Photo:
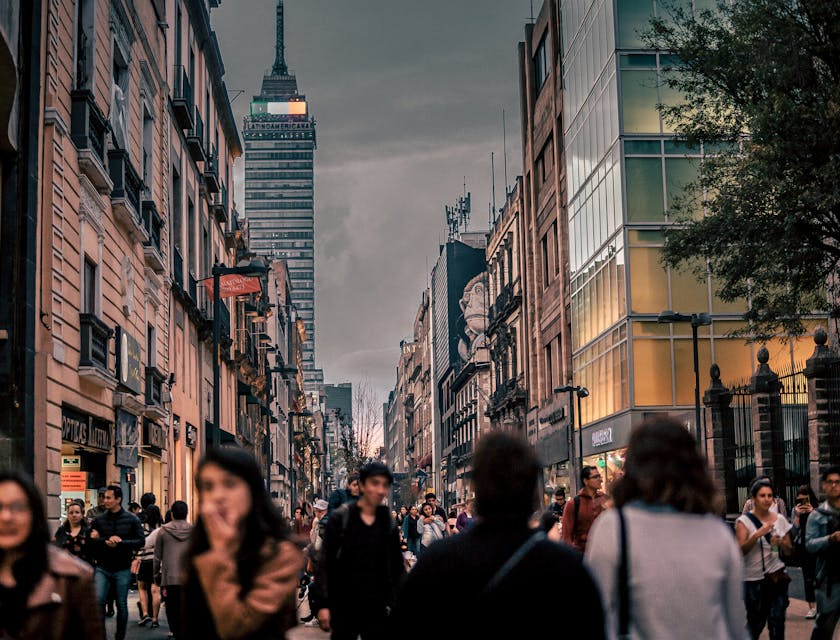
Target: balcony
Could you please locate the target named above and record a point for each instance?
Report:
(125, 196)
(219, 205)
(211, 173)
(195, 139)
(153, 225)
(87, 130)
(177, 268)
(93, 352)
(182, 98)
(506, 302)
(509, 394)
(154, 394)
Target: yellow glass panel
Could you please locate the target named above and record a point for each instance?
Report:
(684, 368)
(652, 372)
(641, 329)
(639, 97)
(735, 359)
(688, 294)
(719, 306)
(725, 327)
(648, 281)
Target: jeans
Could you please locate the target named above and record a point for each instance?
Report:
(119, 580)
(828, 611)
(766, 602)
(173, 609)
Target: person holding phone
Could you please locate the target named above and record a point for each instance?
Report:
(806, 502)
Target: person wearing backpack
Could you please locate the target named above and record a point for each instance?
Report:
(586, 506)
(822, 538)
(362, 562)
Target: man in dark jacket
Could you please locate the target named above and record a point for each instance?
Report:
(362, 562)
(343, 496)
(503, 571)
(171, 547)
(115, 536)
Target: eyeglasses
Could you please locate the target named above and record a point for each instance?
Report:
(15, 508)
(832, 482)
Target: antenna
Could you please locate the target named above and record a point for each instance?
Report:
(532, 11)
(493, 180)
(458, 215)
(504, 148)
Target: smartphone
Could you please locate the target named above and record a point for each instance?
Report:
(803, 501)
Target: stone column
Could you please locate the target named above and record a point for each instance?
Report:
(720, 439)
(820, 414)
(768, 431)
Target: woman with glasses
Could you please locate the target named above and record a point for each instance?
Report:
(45, 593)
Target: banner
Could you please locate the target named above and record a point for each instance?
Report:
(233, 285)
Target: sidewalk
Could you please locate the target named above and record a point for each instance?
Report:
(796, 627)
(138, 633)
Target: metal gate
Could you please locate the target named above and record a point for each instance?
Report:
(744, 447)
(794, 396)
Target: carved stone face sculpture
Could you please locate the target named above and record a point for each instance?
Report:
(474, 307)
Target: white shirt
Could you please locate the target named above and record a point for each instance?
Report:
(753, 567)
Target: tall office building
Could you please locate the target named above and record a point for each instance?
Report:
(279, 139)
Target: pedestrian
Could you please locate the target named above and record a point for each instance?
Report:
(452, 523)
(147, 589)
(431, 499)
(806, 502)
(431, 528)
(242, 566)
(320, 508)
(465, 519)
(171, 547)
(362, 562)
(684, 577)
(778, 505)
(73, 534)
(761, 534)
(299, 528)
(559, 501)
(503, 572)
(822, 539)
(586, 506)
(134, 508)
(316, 543)
(45, 593)
(411, 532)
(115, 536)
(342, 496)
(94, 512)
(401, 517)
(550, 525)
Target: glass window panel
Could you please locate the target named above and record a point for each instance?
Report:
(638, 60)
(670, 97)
(688, 294)
(680, 148)
(679, 173)
(652, 372)
(648, 281)
(639, 97)
(684, 368)
(734, 357)
(633, 18)
(644, 189)
(651, 329)
(644, 237)
(719, 306)
(725, 327)
(644, 147)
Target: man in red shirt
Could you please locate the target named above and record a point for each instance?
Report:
(586, 506)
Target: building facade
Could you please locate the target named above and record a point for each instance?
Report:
(280, 145)
(338, 411)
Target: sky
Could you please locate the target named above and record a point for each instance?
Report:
(408, 99)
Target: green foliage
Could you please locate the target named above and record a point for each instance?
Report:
(761, 87)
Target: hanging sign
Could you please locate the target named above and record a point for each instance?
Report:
(233, 285)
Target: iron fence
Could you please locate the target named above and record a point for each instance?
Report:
(794, 396)
(743, 438)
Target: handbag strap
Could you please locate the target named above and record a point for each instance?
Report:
(514, 560)
(623, 581)
(758, 524)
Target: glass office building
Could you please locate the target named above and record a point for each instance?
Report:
(625, 169)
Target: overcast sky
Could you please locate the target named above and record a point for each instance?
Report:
(408, 98)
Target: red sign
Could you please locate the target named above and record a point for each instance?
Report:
(73, 481)
(233, 285)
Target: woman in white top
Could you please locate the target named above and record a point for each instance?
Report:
(430, 526)
(684, 567)
(761, 534)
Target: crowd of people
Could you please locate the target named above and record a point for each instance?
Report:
(654, 559)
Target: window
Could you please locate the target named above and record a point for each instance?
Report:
(633, 18)
(545, 262)
(554, 237)
(151, 345)
(148, 146)
(91, 281)
(119, 96)
(85, 39)
(542, 63)
(191, 252)
(644, 189)
(177, 222)
(549, 371)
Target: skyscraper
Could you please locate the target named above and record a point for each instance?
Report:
(279, 139)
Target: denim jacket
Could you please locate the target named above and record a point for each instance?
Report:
(816, 537)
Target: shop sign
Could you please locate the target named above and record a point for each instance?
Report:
(71, 463)
(191, 436)
(154, 436)
(129, 370)
(602, 437)
(73, 481)
(85, 430)
(127, 439)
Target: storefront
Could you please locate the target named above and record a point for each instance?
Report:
(604, 447)
(150, 476)
(553, 450)
(85, 445)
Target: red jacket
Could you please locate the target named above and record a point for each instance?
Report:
(576, 530)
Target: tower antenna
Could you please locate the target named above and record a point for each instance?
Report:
(493, 180)
(458, 215)
(504, 148)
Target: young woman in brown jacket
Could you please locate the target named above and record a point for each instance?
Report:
(242, 567)
(45, 593)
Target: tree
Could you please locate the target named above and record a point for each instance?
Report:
(359, 435)
(761, 87)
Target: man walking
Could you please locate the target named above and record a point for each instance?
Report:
(343, 496)
(362, 562)
(559, 502)
(94, 512)
(116, 535)
(170, 550)
(586, 506)
(503, 571)
(822, 538)
(465, 518)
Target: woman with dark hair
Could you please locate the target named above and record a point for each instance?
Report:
(684, 570)
(806, 502)
(242, 568)
(762, 533)
(73, 534)
(45, 593)
(147, 590)
(550, 525)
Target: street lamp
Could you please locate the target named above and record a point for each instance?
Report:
(697, 320)
(292, 472)
(255, 267)
(580, 392)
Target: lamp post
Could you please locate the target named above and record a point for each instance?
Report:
(697, 320)
(580, 392)
(292, 472)
(251, 269)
